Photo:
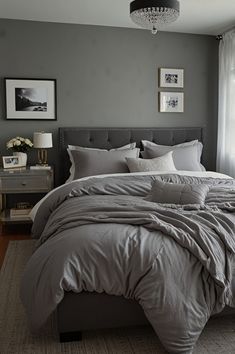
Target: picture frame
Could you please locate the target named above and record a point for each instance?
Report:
(30, 99)
(173, 78)
(11, 161)
(171, 102)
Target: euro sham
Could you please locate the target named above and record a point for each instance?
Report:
(81, 148)
(96, 162)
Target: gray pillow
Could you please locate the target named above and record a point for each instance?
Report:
(186, 158)
(79, 148)
(96, 162)
(147, 143)
(162, 163)
(171, 193)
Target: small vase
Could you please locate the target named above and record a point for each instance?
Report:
(22, 157)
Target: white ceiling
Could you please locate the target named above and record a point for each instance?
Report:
(196, 16)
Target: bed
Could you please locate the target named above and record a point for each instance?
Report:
(97, 309)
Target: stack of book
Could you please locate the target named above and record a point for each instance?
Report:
(20, 213)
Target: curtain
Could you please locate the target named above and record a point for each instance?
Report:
(226, 108)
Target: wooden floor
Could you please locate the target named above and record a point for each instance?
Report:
(8, 233)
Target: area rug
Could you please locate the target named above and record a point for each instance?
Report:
(15, 338)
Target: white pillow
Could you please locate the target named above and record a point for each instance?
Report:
(163, 163)
(81, 148)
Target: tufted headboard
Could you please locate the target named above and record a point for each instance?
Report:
(108, 138)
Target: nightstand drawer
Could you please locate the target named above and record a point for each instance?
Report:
(26, 184)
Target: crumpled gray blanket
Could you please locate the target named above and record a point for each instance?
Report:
(104, 235)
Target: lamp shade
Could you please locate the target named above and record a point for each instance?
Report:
(42, 140)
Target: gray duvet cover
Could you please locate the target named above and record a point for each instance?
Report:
(103, 235)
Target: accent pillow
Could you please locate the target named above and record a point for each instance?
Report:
(171, 193)
(163, 163)
(185, 158)
(94, 162)
(81, 148)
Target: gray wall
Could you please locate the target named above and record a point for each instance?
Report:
(107, 77)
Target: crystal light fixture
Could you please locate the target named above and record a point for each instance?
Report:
(153, 14)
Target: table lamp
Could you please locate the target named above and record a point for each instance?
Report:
(42, 141)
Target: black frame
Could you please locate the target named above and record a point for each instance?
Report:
(31, 79)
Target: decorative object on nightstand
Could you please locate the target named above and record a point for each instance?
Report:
(11, 162)
(20, 146)
(42, 141)
(40, 167)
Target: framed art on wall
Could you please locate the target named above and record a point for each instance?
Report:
(171, 102)
(30, 99)
(171, 78)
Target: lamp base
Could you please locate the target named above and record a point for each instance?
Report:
(42, 157)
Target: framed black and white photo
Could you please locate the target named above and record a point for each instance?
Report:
(11, 161)
(30, 99)
(171, 102)
(171, 78)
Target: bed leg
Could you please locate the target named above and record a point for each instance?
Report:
(70, 336)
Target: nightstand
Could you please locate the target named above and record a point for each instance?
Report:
(14, 183)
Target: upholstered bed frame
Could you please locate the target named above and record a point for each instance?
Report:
(109, 138)
(78, 312)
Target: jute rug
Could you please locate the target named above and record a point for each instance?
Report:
(218, 337)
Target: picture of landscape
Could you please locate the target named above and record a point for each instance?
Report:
(31, 99)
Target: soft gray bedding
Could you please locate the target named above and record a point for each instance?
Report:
(103, 235)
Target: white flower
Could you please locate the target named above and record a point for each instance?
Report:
(28, 142)
(17, 143)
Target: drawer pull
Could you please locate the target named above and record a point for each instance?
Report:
(23, 183)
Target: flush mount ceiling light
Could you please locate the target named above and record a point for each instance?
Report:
(153, 14)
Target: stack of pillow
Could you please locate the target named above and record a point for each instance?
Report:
(89, 161)
(185, 156)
